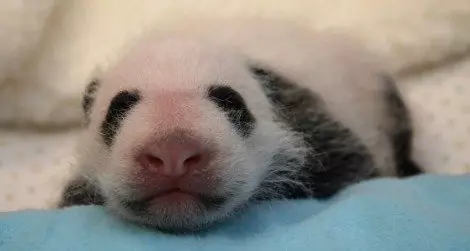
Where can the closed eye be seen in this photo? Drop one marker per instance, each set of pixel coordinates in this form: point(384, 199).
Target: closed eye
point(233, 104)
point(118, 108)
point(226, 98)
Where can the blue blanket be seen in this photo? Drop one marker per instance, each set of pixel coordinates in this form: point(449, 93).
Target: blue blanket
point(428, 212)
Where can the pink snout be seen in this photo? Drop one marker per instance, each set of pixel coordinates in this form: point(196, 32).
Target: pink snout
point(175, 156)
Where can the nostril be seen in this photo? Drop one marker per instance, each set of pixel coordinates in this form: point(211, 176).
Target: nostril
point(193, 160)
point(152, 162)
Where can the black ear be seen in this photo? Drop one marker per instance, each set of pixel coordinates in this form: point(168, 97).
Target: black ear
point(89, 96)
point(80, 191)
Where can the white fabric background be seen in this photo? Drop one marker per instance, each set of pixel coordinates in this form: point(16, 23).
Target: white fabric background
point(440, 102)
point(45, 75)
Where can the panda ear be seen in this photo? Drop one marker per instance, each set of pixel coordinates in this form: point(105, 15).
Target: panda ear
point(89, 96)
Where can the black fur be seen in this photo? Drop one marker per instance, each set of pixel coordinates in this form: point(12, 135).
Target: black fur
point(80, 192)
point(89, 97)
point(337, 159)
point(401, 132)
point(231, 102)
point(120, 105)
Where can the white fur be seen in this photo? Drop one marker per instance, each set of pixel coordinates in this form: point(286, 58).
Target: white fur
point(173, 72)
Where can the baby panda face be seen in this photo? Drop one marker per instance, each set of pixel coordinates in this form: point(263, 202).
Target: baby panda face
point(181, 135)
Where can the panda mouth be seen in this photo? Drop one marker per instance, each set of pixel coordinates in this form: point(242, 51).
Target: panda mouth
point(174, 197)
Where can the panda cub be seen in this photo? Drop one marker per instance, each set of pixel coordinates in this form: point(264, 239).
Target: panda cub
point(190, 126)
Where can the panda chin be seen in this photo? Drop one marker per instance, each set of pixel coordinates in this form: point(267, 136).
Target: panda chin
point(171, 211)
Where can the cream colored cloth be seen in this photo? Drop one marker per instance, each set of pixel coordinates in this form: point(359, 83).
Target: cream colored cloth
point(45, 87)
point(34, 167)
point(440, 102)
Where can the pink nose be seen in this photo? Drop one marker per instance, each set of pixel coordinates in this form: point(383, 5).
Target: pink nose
point(175, 156)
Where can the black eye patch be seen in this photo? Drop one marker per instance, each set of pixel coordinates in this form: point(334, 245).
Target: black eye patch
point(233, 104)
point(119, 107)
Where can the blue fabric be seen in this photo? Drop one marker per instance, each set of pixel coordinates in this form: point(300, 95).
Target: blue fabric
point(427, 212)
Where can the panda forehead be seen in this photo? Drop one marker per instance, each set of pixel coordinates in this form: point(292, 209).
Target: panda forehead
point(185, 83)
point(190, 70)
point(185, 75)
point(174, 64)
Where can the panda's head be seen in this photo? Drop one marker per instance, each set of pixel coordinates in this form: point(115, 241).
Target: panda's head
point(181, 134)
